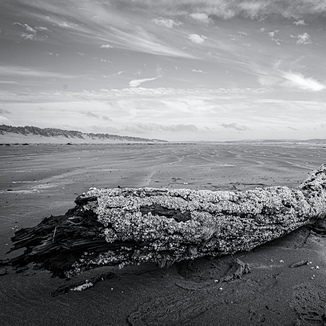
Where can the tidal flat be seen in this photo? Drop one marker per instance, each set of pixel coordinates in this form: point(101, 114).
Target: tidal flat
point(37, 181)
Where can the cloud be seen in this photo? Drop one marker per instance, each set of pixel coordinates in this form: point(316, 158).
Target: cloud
point(235, 126)
point(28, 28)
point(96, 116)
point(150, 127)
point(68, 25)
point(29, 72)
point(41, 28)
point(165, 22)
point(137, 82)
point(106, 46)
point(202, 17)
point(180, 114)
point(2, 111)
point(131, 93)
point(299, 22)
point(277, 76)
point(198, 71)
point(304, 39)
point(90, 114)
point(4, 120)
point(10, 82)
point(30, 31)
point(106, 118)
point(300, 81)
point(226, 9)
point(197, 39)
point(273, 38)
point(138, 39)
point(26, 36)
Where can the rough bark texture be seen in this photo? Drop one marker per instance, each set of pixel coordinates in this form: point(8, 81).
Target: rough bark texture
point(132, 226)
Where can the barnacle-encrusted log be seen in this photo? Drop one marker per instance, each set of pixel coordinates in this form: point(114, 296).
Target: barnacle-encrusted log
point(132, 226)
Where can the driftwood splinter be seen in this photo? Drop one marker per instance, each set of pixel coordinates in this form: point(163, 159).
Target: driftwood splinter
point(132, 226)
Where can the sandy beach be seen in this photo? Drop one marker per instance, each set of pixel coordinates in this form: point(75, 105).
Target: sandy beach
point(42, 180)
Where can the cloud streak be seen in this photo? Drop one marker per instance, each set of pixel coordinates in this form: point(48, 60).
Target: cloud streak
point(137, 82)
point(150, 127)
point(142, 41)
point(298, 80)
point(199, 16)
point(166, 22)
point(18, 71)
point(235, 126)
point(227, 9)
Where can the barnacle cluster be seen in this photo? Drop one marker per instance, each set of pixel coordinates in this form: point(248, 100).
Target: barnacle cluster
point(168, 225)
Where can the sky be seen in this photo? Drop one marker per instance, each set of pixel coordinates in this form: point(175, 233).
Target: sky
point(185, 70)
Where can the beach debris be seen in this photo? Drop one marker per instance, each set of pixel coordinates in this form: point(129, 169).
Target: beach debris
point(299, 263)
point(126, 226)
point(83, 285)
point(236, 271)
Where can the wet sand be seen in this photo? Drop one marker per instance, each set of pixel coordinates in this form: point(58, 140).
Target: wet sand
point(40, 180)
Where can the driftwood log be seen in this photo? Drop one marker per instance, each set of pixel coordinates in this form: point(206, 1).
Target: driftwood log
point(132, 226)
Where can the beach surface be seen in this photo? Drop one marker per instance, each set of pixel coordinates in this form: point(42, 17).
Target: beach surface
point(287, 280)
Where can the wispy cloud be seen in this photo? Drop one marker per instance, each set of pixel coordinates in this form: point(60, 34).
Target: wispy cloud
point(180, 114)
point(198, 71)
point(4, 111)
point(235, 126)
point(175, 128)
point(197, 39)
point(202, 17)
point(4, 120)
point(10, 82)
point(300, 23)
point(28, 28)
point(298, 80)
point(275, 77)
point(29, 72)
point(103, 23)
point(226, 9)
point(31, 33)
point(137, 82)
point(26, 36)
point(41, 28)
point(140, 40)
point(273, 37)
point(96, 116)
point(304, 39)
point(166, 22)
